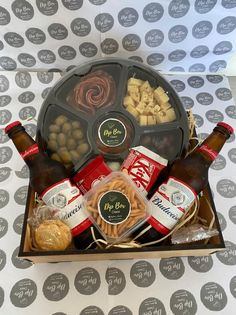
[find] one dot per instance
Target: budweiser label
(69, 200)
(169, 203)
(204, 148)
(33, 149)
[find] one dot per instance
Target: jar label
(112, 132)
(69, 200)
(211, 153)
(33, 149)
(169, 203)
(114, 207)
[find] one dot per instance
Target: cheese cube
(133, 81)
(128, 101)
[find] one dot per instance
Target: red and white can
(143, 166)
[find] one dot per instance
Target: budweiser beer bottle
(186, 179)
(50, 180)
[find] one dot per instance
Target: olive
(71, 144)
(83, 148)
(77, 134)
(52, 136)
(52, 145)
(66, 127)
(56, 157)
(54, 128)
(75, 124)
(74, 155)
(61, 139)
(64, 155)
(60, 120)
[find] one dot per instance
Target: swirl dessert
(94, 91)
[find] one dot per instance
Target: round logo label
(154, 38)
(56, 287)
(131, 42)
(177, 69)
(3, 136)
(222, 221)
(23, 79)
(219, 163)
(172, 268)
(226, 188)
(213, 296)
(5, 116)
(228, 256)
(214, 78)
(128, 17)
(201, 263)
(87, 281)
(178, 85)
(27, 112)
(23, 173)
(45, 77)
(198, 120)
(26, 60)
(1, 297)
(47, 7)
(202, 29)
(197, 67)
(116, 281)
(204, 6)
(217, 65)
(30, 129)
(35, 36)
(177, 33)
(7, 63)
(187, 102)
(136, 58)
(1, 44)
(45, 92)
(23, 10)
(231, 138)
(152, 306)
(177, 55)
(3, 259)
(46, 56)
(91, 310)
(14, 39)
(232, 287)
(183, 302)
(199, 51)
(5, 154)
(67, 52)
(232, 155)
(231, 111)
(20, 195)
(3, 227)
(112, 132)
(204, 98)
(178, 8)
(142, 274)
(153, 12)
(196, 82)
(4, 86)
(114, 207)
(4, 197)
(223, 94)
(214, 116)
(232, 211)
(228, 4)
(19, 263)
(104, 22)
(23, 293)
(18, 224)
(57, 31)
(88, 49)
(26, 97)
(4, 16)
(80, 27)
(72, 4)
(226, 25)
(97, 2)
(223, 48)
(155, 59)
(120, 309)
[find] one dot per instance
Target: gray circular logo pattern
(56, 287)
(195, 82)
(104, 22)
(5, 116)
(3, 259)
(201, 263)
(4, 16)
(27, 112)
(7, 63)
(131, 42)
(226, 188)
(155, 59)
(23, 79)
(18, 224)
(178, 8)
(3, 136)
(222, 221)
(87, 281)
(1, 297)
(232, 214)
(214, 116)
(197, 67)
(5, 154)
(232, 155)
(23, 10)
(45, 77)
(20, 195)
(80, 27)
(91, 310)
(231, 138)
(204, 98)
(72, 4)
(177, 69)
(142, 274)
(232, 287)
(231, 111)
(152, 306)
(154, 38)
(57, 31)
(26, 60)
(202, 29)
(199, 121)
(14, 39)
(226, 25)
(1, 44)
(35, 36)
(177, 33)
(187, 101)
(3, 227)
(97, 2)
(4, 99)
(177, 55)
(4, 86)
(199, 51)
(120, 309)
(26, 97)
(128, 17)
(228, 256)
(47, 7)
(23, 173)
(228, 4)
(217, 65)
(214, 78)
(45, 92)
(67, 52)
(116, 281)
(88, 49)
(219, 163)
(172, 268)
(213, 296)
(204, 6)
(46, 56)
(178, 85)
(109, 46)
(23, 293)
(183, 302)
(136, 58)
(223, 94)
(223, 47)
(153, 12)
(19, 263)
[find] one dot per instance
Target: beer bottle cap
(11, 125)
(228, 127)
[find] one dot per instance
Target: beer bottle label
(68, 199)
(33, 149)
(169, 203)
(211, 153)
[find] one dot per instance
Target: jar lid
(11, 125)
(228, 127)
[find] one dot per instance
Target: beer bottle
(186, 179)
(50, 180)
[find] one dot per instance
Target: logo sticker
(128, 17)
(88, 49)
(26, 60)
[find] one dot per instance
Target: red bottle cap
(228, 127)
(11, 125)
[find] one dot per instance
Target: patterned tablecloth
(193, 285)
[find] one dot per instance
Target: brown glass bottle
(49, 179)
(186, 179)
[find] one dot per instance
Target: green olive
(64, 155)
(75, 124)
(74, 155)
(77, 134)
(52, 145)
(56, 157)
(61, 139)
(83, 148)
(66, 127)
(71, 144)
(52, 136)
(54, 128)
(60, 120)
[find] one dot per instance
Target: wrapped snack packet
(143, 166)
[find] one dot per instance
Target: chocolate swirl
(95, 90)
